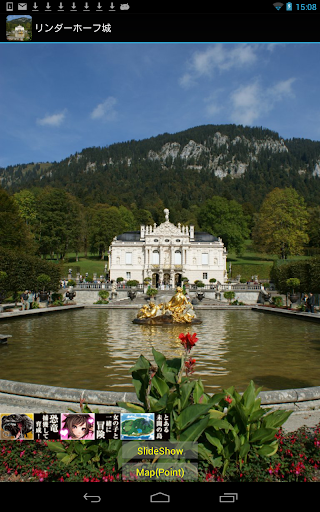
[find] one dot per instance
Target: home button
(160, 497)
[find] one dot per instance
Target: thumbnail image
(16, 426)
(77, 426)
(19, 28)
(137, 426)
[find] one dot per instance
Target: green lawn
(252, 263)
(90, 264)
(249, 264)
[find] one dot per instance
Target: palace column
(172, 266)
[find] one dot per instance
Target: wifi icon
(278, 5)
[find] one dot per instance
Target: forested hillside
(181, 170)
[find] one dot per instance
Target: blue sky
(17, 16)
(56, 99)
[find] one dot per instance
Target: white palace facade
(166, 253)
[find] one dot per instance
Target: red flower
(190, 364)
(188, 340)
(228, 399)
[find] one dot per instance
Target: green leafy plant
(57, 296)
(132, 282)
(228, 426)
(92, 453)
(56, 303)
(277, 301)
(229, 296)
(293, 283)
(246, 429)
(43, 281)
(103, 294)
(151, 292)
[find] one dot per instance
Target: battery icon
(228, 497)
(288, 6)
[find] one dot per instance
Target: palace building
(166, 253)
(19, 29)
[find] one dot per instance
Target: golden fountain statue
(177, 310)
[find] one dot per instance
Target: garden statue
(177, 310)
(113, 290)
(131, 294)
(149, 310)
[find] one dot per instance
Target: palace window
(155, 258)
(128, 258)
(205, 258)
(177, 258)
(204, 275)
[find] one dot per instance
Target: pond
(95, 349)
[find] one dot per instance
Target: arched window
(155, 258)
(177, 258)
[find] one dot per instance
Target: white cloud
(105, 110)
(247, 104)
(53, 120)
(214, 105)
(219, 57)
(283, 89)
(251, 101)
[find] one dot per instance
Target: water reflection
(95, 349)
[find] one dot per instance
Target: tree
(22, 271)
(27, 205)
(281, 225)
(314, 227)
(229, 296)
(59, 222)
(224, 218)
(307, 272)
(128, 219)
(141, 216)
(106, 223)
(14, 233)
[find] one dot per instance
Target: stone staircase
(162, 296)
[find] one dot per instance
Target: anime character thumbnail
(77, 426)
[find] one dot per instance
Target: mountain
(20, 21)
(181, 169)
